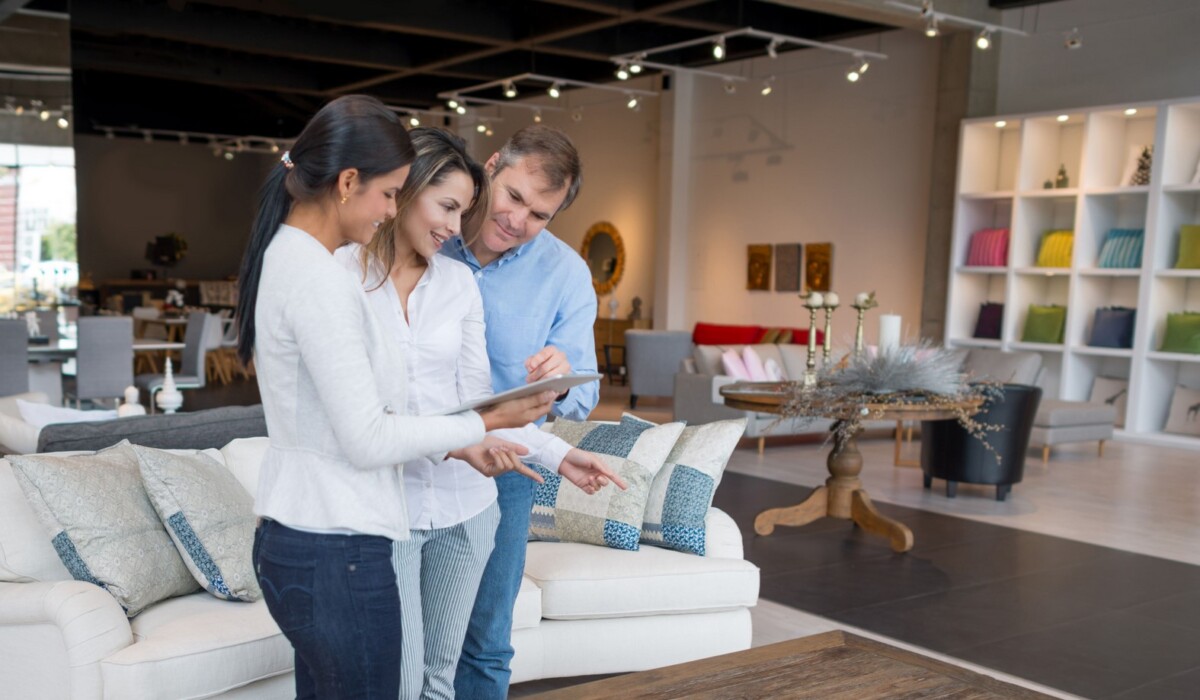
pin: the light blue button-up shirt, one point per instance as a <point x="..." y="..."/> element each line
<point x="535" y="295"/>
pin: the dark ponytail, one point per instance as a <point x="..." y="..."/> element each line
<point x="354" y="131"/>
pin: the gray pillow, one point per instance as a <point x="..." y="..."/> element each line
<point x="102" y="524"/>
<point x="197" y="430"/>
<point x="209" y="517"/>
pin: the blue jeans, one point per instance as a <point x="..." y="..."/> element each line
<point x="483" y="671"/>
<point x="335" y="599"/>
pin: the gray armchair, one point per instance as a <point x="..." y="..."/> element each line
<point x="652" y="358"/>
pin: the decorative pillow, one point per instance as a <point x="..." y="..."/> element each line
<point x="209" y="517"/>
<point x="754" y="365"/>
<point x="1184" y="416"/>
<point x="1183" y="333"/>
<point x="1056" y="249"/>
<point x="989" y="248"/>
<point x="734" y="366"/>
<point x="721" y="334"/>
<point x="1189" y="247"/>
<point x="1112" y="392"/>
<point x="770" y="336"/>
<point x="1113" y="327"/>
<point x="786" y="337"/>
<point x="39" y="415"/>
<point x="1045" y="324"/>
<point x="1122" y="248"/>
<point x="990" y="321"/>
<point x="774" y="372"/>
<point x="683" y="489"/>
<point x="17" y="436"/>
<point x="562" y="512"/>
<point x="102" y="524"/>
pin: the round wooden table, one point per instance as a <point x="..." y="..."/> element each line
<point x="842" y="496"/>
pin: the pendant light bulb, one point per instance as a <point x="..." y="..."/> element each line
<point x="718" y="49"/>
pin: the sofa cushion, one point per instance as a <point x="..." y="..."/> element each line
<point x="209" y="517"/>
<point x="527" y="612"/>
<point x="197" y="646"/>
<point x="197" y="430"/>
<point x="243" y="457"/>
<point x="40" y="414"/>
<point x="562" y="512"/>
<point x="580" y="581"/>
<point x="683" y="489"/>
<point x="26" y="554"/>
<point x="720" y="334"/>
<point x="732" y="365"/>
<point x="95" y="512"/>
<point x="1053" y="413"/>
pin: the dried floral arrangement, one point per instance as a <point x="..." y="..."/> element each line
<point x="862" y="386"/>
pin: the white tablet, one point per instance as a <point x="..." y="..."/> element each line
<point x="557" y="383"/>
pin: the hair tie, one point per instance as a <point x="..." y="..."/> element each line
<point x="287" y="160"/>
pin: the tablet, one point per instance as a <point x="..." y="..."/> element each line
<point x="558" y="383"/>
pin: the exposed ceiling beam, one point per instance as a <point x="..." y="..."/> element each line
<point x="601" y="8"/>
<point x="8" y="8"/>
<point x="876" y="12"/>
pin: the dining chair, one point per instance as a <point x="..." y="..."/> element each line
<point x="48" y="323"/>
<point x="103" y="360"/>
<point x="14" y="357"/>
<point x="190" y="373"/>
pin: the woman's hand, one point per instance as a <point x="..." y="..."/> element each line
<point x="494" y="457"/>
<point x="516" y="413"/>
<point x="587" y="471"/>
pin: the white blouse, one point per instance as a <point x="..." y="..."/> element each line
<point x="446" y="364"/>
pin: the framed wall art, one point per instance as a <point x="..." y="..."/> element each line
<point x="818" y="267"/>
<point x="758" y="271"/>
<point x="787" y="267"/>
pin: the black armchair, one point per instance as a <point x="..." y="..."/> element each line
<point x="949" y="452"/>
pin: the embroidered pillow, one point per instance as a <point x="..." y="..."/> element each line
<point x="562" y="512"/>
<point x="209" y="517"/>
<point x="102" y="524"/>
<point x="682" y="491"/>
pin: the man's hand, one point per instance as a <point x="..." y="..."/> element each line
<point x="587" y="471"/>
<point x="494" y="457"/>
<point x="547" y="362"/>
<point x="516" y="413"/>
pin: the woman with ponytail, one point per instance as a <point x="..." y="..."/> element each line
<point x="432" y="306"/>
<point x="330" y="493"/>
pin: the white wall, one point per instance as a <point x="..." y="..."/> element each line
<point x="1132" y="51"/>
<point x="819" y="160"/>
<point x="130" y="191"/>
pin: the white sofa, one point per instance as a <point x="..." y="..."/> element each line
<point x="582" y="610"/>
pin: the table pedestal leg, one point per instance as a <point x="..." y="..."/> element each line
<point x="843" y="497"/>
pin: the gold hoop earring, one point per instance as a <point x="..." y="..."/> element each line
<point x="344" y="198"/>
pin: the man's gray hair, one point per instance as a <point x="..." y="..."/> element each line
<point x="553" y="153"/>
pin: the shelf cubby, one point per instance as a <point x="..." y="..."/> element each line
<point x="1046" y="144"/>
<point x="1099" y="215"/>
<point x="988" y="159"/>
<point x="1115" y="140"/>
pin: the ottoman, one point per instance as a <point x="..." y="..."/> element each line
<point x="1060" y="422"/>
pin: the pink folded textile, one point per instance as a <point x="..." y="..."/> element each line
<point x="734" y="367"/>
<point x="754" y="365"/>
<point x="989" y="248"/>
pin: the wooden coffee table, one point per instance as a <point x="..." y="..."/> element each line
<point x="830" y="665"/>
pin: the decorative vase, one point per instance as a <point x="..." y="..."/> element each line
<point x="169" y="399"/>
<point x="1062" y="181"/>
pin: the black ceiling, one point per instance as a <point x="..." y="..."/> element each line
<point x="262" y="67"/>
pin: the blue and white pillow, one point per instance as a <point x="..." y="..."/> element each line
<point x="562" y="512"/>
<point x="683" y="489"/>
<point x="209" y="517"/>
<point x="1122" y="249"/>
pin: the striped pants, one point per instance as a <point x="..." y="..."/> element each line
<point x="438" y="573"/>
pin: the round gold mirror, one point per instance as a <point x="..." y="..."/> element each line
<point x="605" y="255"/>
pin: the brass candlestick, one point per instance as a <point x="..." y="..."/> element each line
<point x="830" y="307"/>
<point x="862" y="303"/>
<point x="812" y="302"/>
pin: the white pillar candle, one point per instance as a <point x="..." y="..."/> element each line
<point x="831" y="299"/>
<point x="889" y="333"/>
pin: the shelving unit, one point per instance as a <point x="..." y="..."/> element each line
<point x="1001" y="183"/>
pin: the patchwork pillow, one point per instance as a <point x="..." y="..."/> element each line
<point x="682" y="491"/>
<point x="102" y="524"/>
<point x="209" y="517"/>
<point x="562" y="512"/>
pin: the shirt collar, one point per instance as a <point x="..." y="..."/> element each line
<point x="468" y="256"/>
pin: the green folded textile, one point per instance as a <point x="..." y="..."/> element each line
<point x="1189" y="248"/>
<point x="1183" y="333"/>
<point x="1045" y="324"/>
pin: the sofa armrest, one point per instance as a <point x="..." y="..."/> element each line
<point x="694" y="399"/>
<point x="722" y="537"/>
<point x="91" y="623"/>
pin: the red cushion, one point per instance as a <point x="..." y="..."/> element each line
<point x="718" y="334"/>
<point x="800" y="336"/>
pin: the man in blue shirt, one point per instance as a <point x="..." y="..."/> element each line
<point x="539" y="307"/>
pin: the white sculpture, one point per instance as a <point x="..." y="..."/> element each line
<point x="132" y="405"/>
<point x="33" y="324"/>
<point x="169" y="399"/>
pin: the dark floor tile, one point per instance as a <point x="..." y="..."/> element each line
<point x="1118" y="580"/>
<point x="775" y="554"/>
<point x="1098" y="656"/>
<point x="1182" y="609"/>
<point x="1158" y="690"/>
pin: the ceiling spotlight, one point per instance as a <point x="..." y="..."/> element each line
<point x="730" y="87"/>
<point x="461" y="109"/>
<point x="766" y="86"/>
<point x="636" y="66"/>
<point x="555" y="91"/>
<point x="926" y="7"/>
<point x="481" y="127"/>
<point x="228" y="155"/>
<point x="510" y="90"/>
<point x="1000" y="124"/>
<point x="452" y="103"/>
<point x="623" y="72"/>
<point x="773" y="47"/>
<point x="1073" y="39"/>
<point x="853" y="75"/>
<point x="414" y="121"/>
<point x="537" y="117"/>
<point x="274" y="147"/>
<point x="108" y="134"/>
<point x="577" y="115"/>
<point x="147" y="137"/>
<point x="984" y="40"/>
<point x="19" y="110"/>
<point x="931" y="26"/>
<point x="489" y="132"/>
<point x="63" y="123"/>
<point x="182" y="136"/>
<point x="863" y="64"/>
<point x="718" y="48"/>
<point x="1062" y="117"/>
<point x="44" y="115"/>
<point x="1130" y="112"/>
<point x="632" y="103"/>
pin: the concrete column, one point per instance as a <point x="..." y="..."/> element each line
<point x="674" y="191"/>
